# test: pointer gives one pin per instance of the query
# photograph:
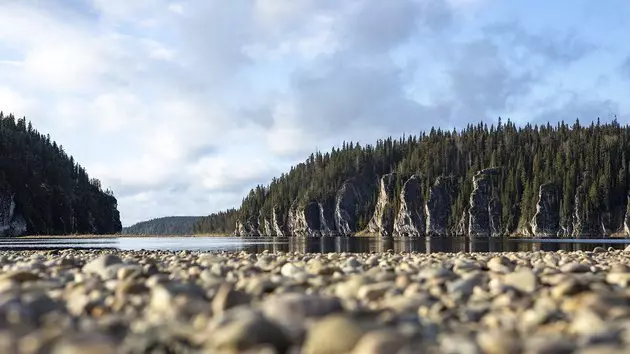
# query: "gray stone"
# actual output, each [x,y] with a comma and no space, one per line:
[333,334]
[227,297]
[380,342]
[249,333]
[524,280]
[102,265]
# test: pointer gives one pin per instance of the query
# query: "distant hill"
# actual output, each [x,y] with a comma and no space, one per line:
[43,191]
[170,225]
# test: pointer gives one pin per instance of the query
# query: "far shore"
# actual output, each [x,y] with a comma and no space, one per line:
[117,236]
[362,234]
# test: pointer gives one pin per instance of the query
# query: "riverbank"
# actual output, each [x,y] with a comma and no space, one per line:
[114,236]
[187,302]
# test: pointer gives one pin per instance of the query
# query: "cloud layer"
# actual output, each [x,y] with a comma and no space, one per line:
[181,106]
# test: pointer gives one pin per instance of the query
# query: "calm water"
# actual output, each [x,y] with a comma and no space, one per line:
[325,245]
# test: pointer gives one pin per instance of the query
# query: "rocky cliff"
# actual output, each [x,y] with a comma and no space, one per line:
[351,197]
[11,222]
[585,223]
[407,215]
[247,229]
[276,224]
[438,207]
[382,222]
[546,221]
[304,221]
[485,209]
[411,220]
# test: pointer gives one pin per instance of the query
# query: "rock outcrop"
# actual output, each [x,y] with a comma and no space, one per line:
[326,225]
[484,214]
[411,221]
[246,229]
[382,222]
[11,223]
[304,221]
[585,225]
[353,194]
[546,221]
[276,224]
[438,207]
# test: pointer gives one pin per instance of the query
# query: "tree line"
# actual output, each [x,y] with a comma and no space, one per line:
[52,193]
[588,164]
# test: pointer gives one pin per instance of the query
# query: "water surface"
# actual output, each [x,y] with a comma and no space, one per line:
[321,245]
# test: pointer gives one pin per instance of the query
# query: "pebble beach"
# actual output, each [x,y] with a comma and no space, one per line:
[104,301]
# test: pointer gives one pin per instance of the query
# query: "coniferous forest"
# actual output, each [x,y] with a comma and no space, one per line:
[43,191]
[170,225]
[585,168]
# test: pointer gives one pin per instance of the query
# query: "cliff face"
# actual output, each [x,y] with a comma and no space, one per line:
[546,221]
[276,224]
[353,194]
[247,229]
[485,209]
[382,221]
[411,221]
[585,224]
[339,216]
[11,223]
[304,221]
[438,207]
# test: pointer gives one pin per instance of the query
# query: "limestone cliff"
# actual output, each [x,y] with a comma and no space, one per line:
[438,207]
[276,224]
[382,222]
[411,221]
[304,221]
[546,221]
[484,214]
[247,229]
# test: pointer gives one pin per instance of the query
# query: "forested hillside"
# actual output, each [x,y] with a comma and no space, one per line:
[171,225]
[218,223]
[44,191]
[583,171]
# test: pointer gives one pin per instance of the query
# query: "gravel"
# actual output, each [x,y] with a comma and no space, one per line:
[94,301]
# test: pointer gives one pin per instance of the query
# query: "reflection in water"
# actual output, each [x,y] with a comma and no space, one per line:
[317,245]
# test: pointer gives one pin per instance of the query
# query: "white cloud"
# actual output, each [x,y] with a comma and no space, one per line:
[180,106]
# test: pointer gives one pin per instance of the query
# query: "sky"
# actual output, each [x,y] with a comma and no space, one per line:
[180,107]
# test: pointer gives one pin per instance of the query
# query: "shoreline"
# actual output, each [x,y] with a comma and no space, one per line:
[199,302]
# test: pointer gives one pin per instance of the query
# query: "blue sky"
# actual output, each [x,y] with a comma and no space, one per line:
[181,106]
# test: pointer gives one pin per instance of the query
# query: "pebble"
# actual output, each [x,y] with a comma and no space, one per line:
[333,335]
[524,280]
[235,302]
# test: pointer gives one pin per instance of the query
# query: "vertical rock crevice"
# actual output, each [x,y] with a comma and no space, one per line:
[411,219]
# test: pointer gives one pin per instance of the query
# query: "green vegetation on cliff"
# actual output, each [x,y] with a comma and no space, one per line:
[44,191]
[589,164]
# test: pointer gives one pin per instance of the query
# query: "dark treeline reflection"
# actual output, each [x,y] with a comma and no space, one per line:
[421,245]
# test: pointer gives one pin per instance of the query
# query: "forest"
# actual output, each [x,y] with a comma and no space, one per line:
[170,225]
[43,191]
[588,164]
